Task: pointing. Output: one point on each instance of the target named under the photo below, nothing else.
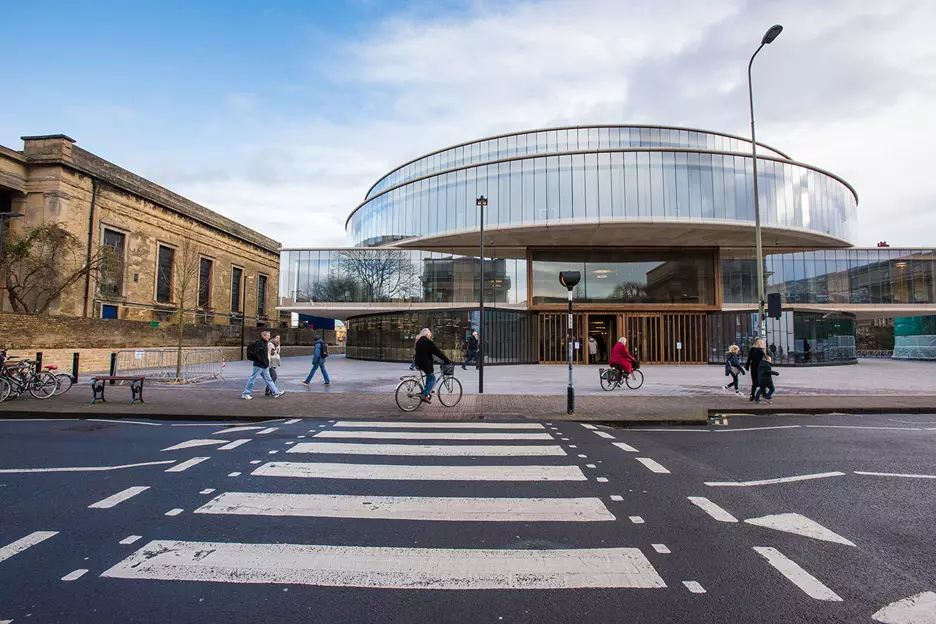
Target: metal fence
(160, 364)
(875, 353)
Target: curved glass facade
(621, 183)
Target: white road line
(188, 463)
(292, 421)
(174, 512)
(636, 519)
(797, 575)
(75, 575)
(268, 430)
(757, 428)
(863, 427)
(234, 474)
(423, 435)
(130, 539)
(125, 422)
(193, 444)
(236, 429)
(272, 452)
(84, 468)
(626, 447)
(419, 473)
(398, 424)
(587, 426)
(711, 509)
(211, 424)
(918, 609)
(115, 499)
(9, 420)
(583, 456)
(821, 475)
(290, 442)
(652, 465)
(207, 491)
(24, 542)
(255, 461)
(389, 568)
(572, 446)
(234, 444)
(603, 434)
(617, 497)
(895, 474)
(799, 525)
(602, 479)
(11, 621)
(300, 437)
(344, 448)
(455, 509)
(661, 548)
(694, 586)
(589, 465)
(674, 430)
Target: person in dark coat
(754, 357)
(472, 351)
(259, 353)
(765, 375)
(733, 368)
(425, 351)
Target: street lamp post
(570, 280)
(769, 36)
(481, 203)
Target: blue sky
(282, 114)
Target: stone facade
(54, 180)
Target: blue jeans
(315, 366)
(261, 372)
(430, 381)
(765, 391)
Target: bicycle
(612, 378)
(23, 376)
(410, 390)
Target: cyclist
(621, 358)
(425, 350)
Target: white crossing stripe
(268, 430)
(75, 575)
(602, 479)
(895, 474)
(24, 542)
(274, 452)
(441, 508)
(617, 497)
(797, 575)
(389, 568)
(587, 426)
(917, 609)
(255, 461)
(207, 491)
(694, 586)
(799, 525)
(398, 424)
(636, 519)
(603, 434)
(193, 444)
(234, 474)
(390, 472)
(85, 468)
(130, 539)
(626, 447)
(346, 448)
(174, 512)
(119, 497)
(234, 444)
(652, 465)
(292, 421)
(821, 475)
(589, 465)
(661, 548)
(712, 509)
(233, 429)
(423, 435)
(188, 463)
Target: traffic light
(773, 305)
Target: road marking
(292, 421)
(272, 452)
(918, 609)
(234, 444)
(572, 446)
(652, 465)
(603, 434)
(193, 444)
(757, 428)
(617, 497)
(130, 539)
(345, 448)
(268, 430)
(234, 474)
(290, 442)
(255, 461)
(174, 512)
(797, 575)
(419, 473)
(236, 428)
(85, 468)
(636, 519)
(626, 447)
(799, 525)
(207, 491)
(24, 542)
(441, 508)
(602, 479)
(398, 424)
(75, 575)
(188, 463)
(115, 499)
(589, 465)
(583, 456)
(300, 437)
(423, 435)
(895, 474)
(661, 548)
(125, 422)
(694, 586)
(863, 427)
(712, 509)
(389, 568)
(821, 475)
(679, 430)
(587, 426)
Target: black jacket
(472, 344)
(765, 373)
(733, 363)
(754, 357)
(261, 353)
(425, 349)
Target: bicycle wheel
(5, 390)
(609, 381)
(63, 383)
(634, 380)
(449, 392)
(42, 386)
(409, 395)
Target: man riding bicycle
(425, 350)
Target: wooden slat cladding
(553, 328)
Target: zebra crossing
(380, 471)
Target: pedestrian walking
(592, 350)
(423, 353)
(733, 368)
(274, 350)
(765, 384)
(258, 352)
(473, 344)
(318, 361)
(754, 357)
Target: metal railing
(161, 364)
(875, 353)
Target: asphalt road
(274, 529)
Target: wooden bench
(100, 382)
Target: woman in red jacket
(621, 357)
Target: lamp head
(772, 34)
(482, 202)
(570, 279)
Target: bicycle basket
(448, 370)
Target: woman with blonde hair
(733, 368)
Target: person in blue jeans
(424, 352)
(318, 361)
(259, 353)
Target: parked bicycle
(614, 377)
(411, 388)
(19, 377)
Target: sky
(281, 114)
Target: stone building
(151, 229)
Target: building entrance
(602, 334)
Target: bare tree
(382, 274)
(43, 262)
(182, 282)
(334, 288)
(629, 292)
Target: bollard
(38, 362)
(113, 367)
(75, 367)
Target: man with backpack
(318, 361)
(472, 351)
(258, 353)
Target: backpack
(324, 349)
(252, 351)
